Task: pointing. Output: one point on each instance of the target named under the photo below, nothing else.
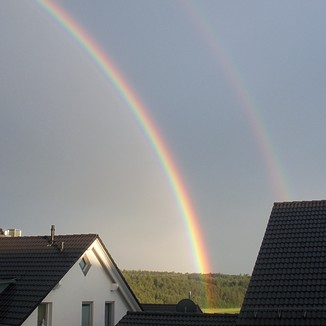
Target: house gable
(37, 265)
(101, 285)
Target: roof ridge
(45, 235)
(179, 313)
(301, 203)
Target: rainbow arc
(272, 165)
(141, 114)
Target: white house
(61, 280)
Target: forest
(207, 290)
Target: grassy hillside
(222, 310)
(208, 291)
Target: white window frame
(85, 264)
(110, 306)
(91, 306)
(48, 314)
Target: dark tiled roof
(177, 319)
(35, 268)
(288, 284)
(153, 307)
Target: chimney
(52, 234)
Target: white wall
(75, 288)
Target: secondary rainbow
(142, 115)
(272, 164)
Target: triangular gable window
(85, 264)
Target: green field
(222, 310)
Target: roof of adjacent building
(31, 267)
(178, 307)
(177, 319)
(288, 284)
(154, 307)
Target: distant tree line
(207, 290)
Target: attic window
(85, 264)
(4, 283)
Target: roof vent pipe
(52, 234)
(62, 248)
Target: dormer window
(85, 264)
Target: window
(87, 314)
(109, 313)
(85, 264)
(44, 312)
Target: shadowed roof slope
(288, 284)
(34, 267)
(176, 319)
(155, 307)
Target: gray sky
(236, 88)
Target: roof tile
(288, 282)
(177, 319)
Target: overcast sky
(236, 88)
